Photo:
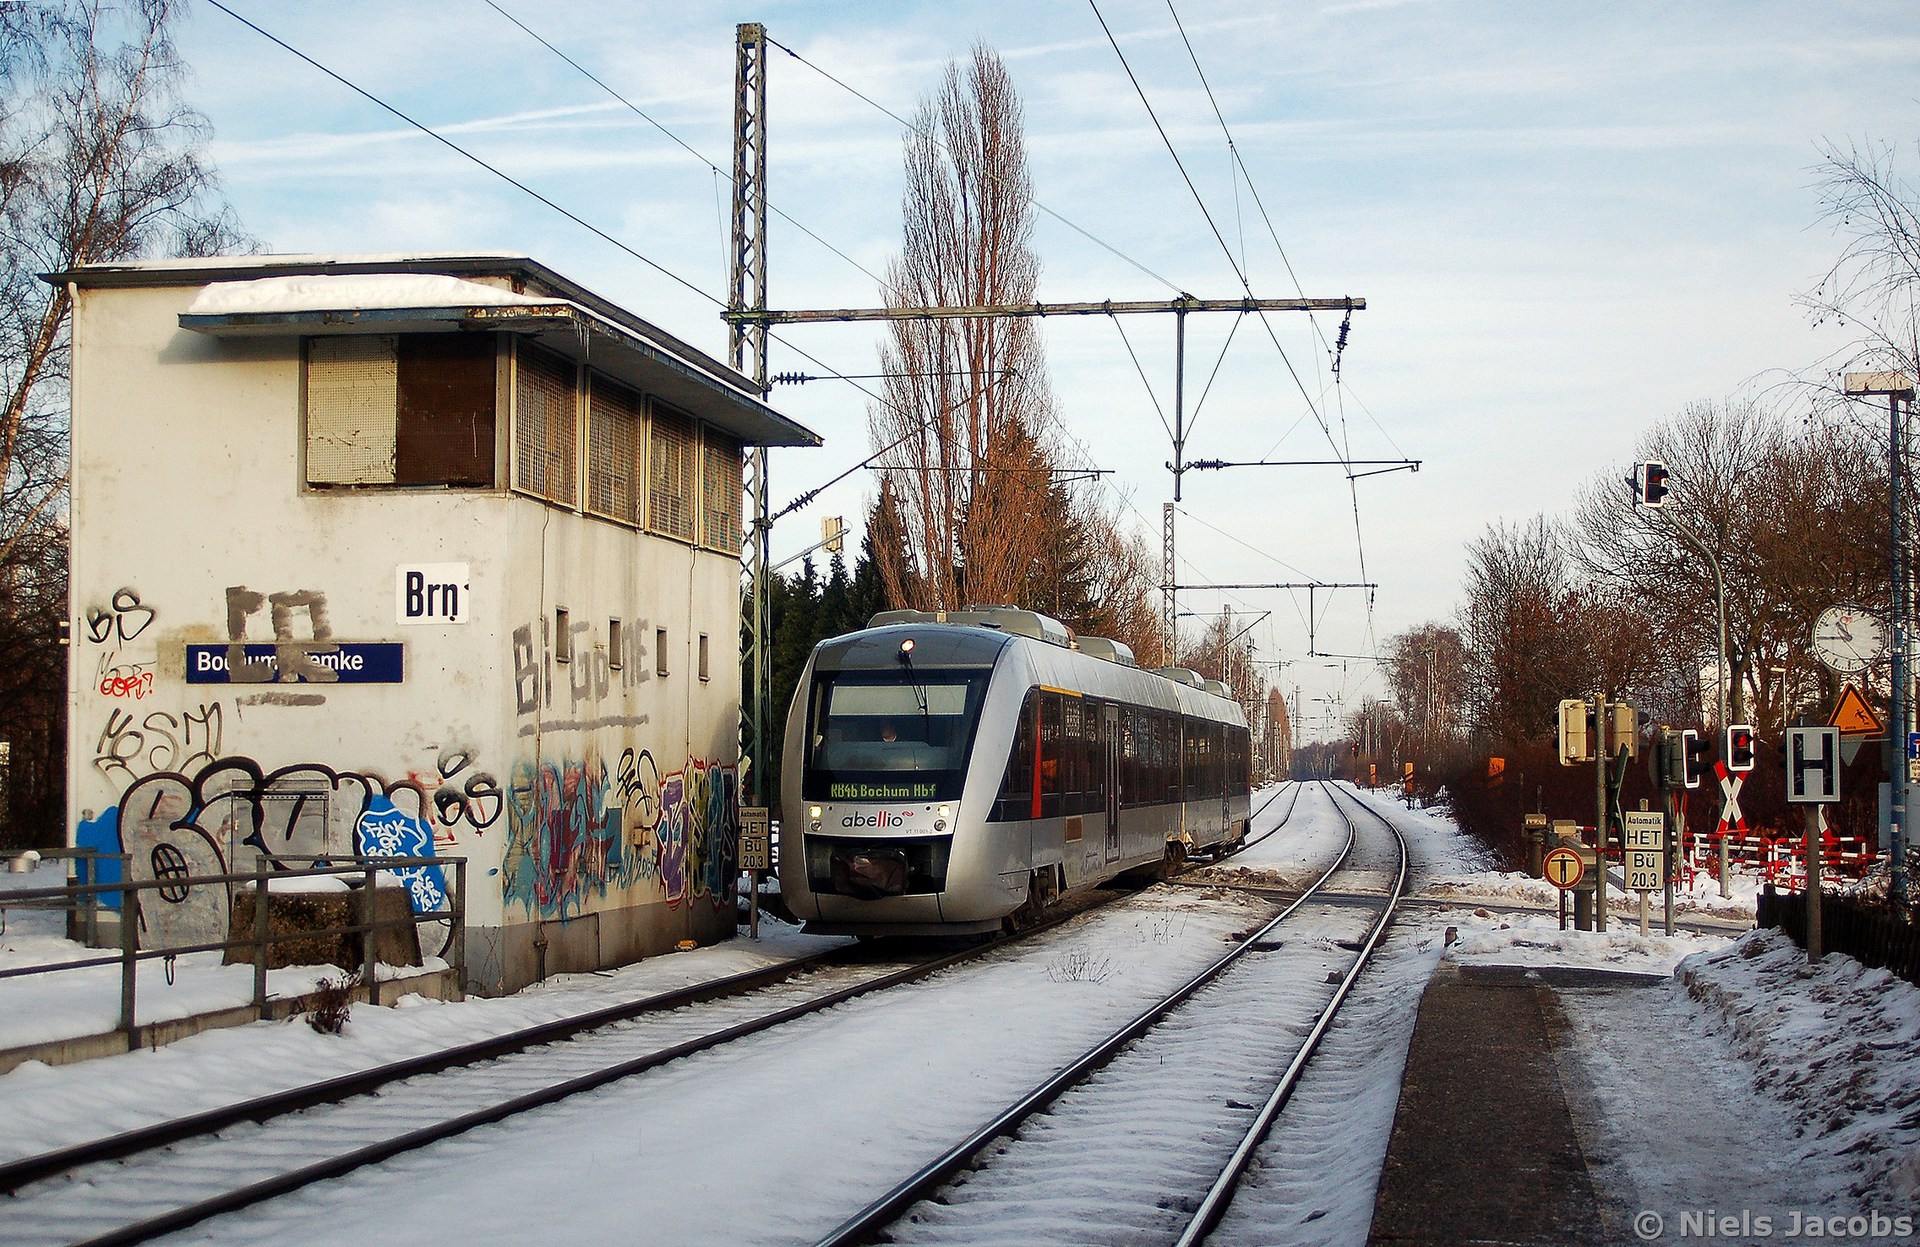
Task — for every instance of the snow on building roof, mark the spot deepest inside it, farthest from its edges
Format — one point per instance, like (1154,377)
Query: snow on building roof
(335,292)
(271,295)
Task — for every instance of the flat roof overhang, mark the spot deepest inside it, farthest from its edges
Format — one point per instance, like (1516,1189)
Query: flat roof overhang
(559,326)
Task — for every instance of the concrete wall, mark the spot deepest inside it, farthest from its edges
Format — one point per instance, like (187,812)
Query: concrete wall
(594,799)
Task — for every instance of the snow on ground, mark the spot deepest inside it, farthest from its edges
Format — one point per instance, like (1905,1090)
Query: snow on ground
(1742,1080)
(1754,1086)
(51,1106)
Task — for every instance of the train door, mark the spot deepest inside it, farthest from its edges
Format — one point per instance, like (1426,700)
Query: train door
(1110,735)
(1223,766)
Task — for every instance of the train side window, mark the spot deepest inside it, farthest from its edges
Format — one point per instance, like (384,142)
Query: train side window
(1016,786)
(1051,714)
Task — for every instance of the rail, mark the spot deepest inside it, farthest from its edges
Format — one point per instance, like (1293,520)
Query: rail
(83,899)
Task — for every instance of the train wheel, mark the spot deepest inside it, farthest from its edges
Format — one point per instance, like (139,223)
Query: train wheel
(1030,909)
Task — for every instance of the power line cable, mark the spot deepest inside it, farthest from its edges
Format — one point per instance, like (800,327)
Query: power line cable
(684,145)
(1076,228)
(1227,250)
(448,143)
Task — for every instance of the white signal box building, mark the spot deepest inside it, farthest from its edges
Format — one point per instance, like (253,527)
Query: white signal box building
(408,555)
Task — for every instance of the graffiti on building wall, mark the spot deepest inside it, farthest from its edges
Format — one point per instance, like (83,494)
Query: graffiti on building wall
(577,832)
(118,673)
(132,746)
(296,659)
(122,620)
(593,669)
(476,800)
(231,816)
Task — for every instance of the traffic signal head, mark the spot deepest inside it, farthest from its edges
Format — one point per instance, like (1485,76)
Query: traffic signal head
(1666,763)
(1693,759)
(1653,483)
(1576,742)
(1739,752)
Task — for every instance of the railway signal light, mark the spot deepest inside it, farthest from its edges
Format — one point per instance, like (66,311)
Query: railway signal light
(1666,762)
(1739,752)
(1576,736)
(1653,483)
(1693,758)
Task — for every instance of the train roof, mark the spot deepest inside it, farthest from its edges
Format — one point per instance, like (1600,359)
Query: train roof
(983,637)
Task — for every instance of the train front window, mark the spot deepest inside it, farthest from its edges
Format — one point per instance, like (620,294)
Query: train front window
(890,735)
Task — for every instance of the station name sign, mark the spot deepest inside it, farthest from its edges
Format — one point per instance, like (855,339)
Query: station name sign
(307,662)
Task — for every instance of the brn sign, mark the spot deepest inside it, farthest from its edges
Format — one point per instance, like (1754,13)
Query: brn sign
(431,593)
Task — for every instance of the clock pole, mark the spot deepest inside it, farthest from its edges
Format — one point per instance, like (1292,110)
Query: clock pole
(1897,823)
(1895,386)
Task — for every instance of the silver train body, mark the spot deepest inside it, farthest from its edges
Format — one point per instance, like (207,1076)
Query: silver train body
(942,773)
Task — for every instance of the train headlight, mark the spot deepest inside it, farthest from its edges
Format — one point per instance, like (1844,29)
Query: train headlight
(813,811)
(946,811)
(939,824)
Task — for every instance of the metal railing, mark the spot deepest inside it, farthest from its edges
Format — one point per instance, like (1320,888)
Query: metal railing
(83,899)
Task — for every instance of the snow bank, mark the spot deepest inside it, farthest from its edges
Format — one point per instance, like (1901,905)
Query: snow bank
(1838,1041)
(1487,938)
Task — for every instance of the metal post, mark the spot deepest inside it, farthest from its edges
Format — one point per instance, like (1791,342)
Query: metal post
(1816,815)
(369,946)
(1902,711)
(1670,846)
(748,340)
(1169,656)
(260,935)
(1600,819)
(129,964)
(457,914)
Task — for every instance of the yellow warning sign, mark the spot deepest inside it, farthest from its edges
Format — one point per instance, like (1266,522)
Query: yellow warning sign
(1853,716)
(1563,868)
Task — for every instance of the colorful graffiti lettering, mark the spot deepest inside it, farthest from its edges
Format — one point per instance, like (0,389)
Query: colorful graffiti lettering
(133,680)
(232,817)
(385,830)
(575,836)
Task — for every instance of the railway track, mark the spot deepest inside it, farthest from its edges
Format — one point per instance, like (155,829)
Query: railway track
(1177,1088)
(165,1177)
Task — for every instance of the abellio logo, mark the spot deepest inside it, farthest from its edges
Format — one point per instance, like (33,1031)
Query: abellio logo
(879,818)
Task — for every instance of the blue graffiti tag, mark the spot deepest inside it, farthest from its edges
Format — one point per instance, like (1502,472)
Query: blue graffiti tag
(386,831)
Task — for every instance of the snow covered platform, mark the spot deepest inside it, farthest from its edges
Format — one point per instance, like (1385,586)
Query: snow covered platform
(1485,1146)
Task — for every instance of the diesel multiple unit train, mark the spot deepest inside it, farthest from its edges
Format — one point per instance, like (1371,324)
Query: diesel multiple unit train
(951,772)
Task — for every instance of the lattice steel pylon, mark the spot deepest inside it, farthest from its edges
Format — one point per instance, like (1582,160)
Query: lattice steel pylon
(747,289)
(1167,657)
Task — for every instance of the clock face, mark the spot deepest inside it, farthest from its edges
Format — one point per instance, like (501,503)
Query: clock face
(1848,641)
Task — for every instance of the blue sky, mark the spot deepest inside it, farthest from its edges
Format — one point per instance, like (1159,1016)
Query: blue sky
(1568,221)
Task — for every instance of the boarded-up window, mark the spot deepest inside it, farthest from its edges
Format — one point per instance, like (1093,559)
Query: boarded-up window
(411,410)
(444,426)
(546,431)
(670,474)
(720,492)
(352,385)
(615,458)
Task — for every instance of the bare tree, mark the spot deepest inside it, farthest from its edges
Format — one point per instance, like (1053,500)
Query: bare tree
(965,398)
(1427,671)
(1874,284)
(1520,630)
(1789,513)
(99,161)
